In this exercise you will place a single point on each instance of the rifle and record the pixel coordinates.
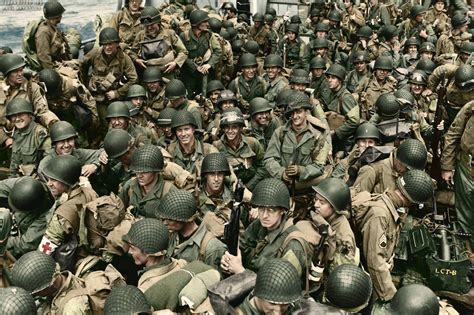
(232, 228)
(334, 53)
(317, 268)
(435, 143)
(293, 160)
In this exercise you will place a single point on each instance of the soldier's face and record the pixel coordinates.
(185, 134)
(322, 206)
(167, 132)
(146, 179)
(272, 72)
(56, 187)
(257, 24)
(269, 308)
(214, 182)
(126, 158)
(439, 6)
(270, 218)
(419, 18)
(65, 147)
(399, 167)
(154, 87)
(15, 77)
(291, 36)
(139, 257)
(320, 34)
(334, 82)
(426, 56)
(134, 5)
(232, 132)
(317, 73)
(174, 226)
(227, 105)
(412, 50)
(22, 120)
(380, 74)
(137, 101)
(119, 123)
(262, 118)
(360, 66)
(298, 86)
(204, 26)
(214, 96)
(320, 52)
(249, 72)
(110, 49)
(153, 29)
(365, 143)
(298, 118)
(417, 89)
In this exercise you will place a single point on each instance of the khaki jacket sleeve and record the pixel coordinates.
(272, 159)
(215, 46)
(40, 104)
(43, 41)
(180, 49)
(130, 73)
(365, 179)
(453, 137)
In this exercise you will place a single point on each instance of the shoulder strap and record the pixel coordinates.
(204, 242)
(70, 295)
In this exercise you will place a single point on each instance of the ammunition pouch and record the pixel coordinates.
(335, 120)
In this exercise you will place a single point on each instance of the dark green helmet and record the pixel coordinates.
(117, 142)
(273, 60)
(226, 95)
(226, 24)
(295, 19)
(338, 71)
(108, 35)
(182, 118)
(258, 17)
(459, 20)
(64, 168)
(336, 192)
(414, 299)
(197, 17)
(53, 9)
(117, 109)
(384, 63)
(278, 282)
(164, 119)
(464, 77)
(215, 25)
(178, 205)
(417, 10)
(426, 65)
(259, 105)
(416, 186)
(321, 27)
(225, 34)
(136, 90)
(320, 43)
(62, 130)
(268, 18)
(16, 301)
(271, 11)
(348, 287)
(412, 41)
(317, 63)
(34, 271)
(427, 47)
(360, 56)
(150, 15)
(315, 12)
(334, 15)
(19, 106)
(364, 31)
(237, 46)
(412, 153)
(405, 98)
(52, 82)
(418, 77)
(215, 162)
(387, 106)
(214, 85)
(152, 74)
(294, 28)
(248, 60)
(232, 32)
(147, 158)
(232, 116)
(175, 89)
(30, 195)
(296, 101)
(367, 130)
(466, 48)
(299, 76)
(149, 235)
(10, 62)
(126, 300)
(272, 193)
(283, 97)
(5, 50)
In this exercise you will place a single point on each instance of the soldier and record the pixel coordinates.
(317, 66)
(273, 65)
(248, 85)
(163, 124)
(378, 15)
(360, 73)
(65, 95)
(389, 44)
(332, 201)
(51, 44)
(379, 219)
(457, 168)
(337, 102)
(410, 58)
(188, 151)
(30, 140)
(437, 17)
(157, 46)
(63, 139)
(371, 88)
(315, 17)
(427, 51)
(293, 49)
(225, 101)
(154, 85)
(320, 47)
(204, 53)
(137, 97)
(145, 191)
(451, 42)
(126, 300)
(263, 123)
(225, 67)
(175, 92)
(127, 21)
(108, 72)
(245, 154)
(16, 301)
(381, 175)
(425, 101)
(410, 299)
(228, 12)
(188, 240)
(29, 201)
(260, 32)
(364, 42)
(352, 19)
(65, 226)
(416, 26)
(148, 241)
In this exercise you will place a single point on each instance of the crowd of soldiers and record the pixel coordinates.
(205, 160)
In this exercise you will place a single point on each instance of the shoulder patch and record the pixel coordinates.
(383, 241)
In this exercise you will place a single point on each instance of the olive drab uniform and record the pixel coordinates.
(295, 53)
(51, 45)
(191, 162)
(439, 20)
(386, 50)
(377, 177)
(410, 28)
(274, 87)
(127, 25)
(263, 36)
(369, 90)
(263, 135)
(457, 155)
(156, 102)
(245, 91)
(225, 68)
(166, 47)
(345, 251)
(451, 44)
(202, 50)
(207, 203)
(354, 79)
(351, 22)
(85, 156)
(29, 146)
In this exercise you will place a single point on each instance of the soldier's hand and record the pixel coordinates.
(426, 92)
(292, 171)
(9, 142)
(253, 214)
(232, 264)
(448, 177)
(111, 95)
(423, 34)
(440, 125)
(88, 169)
(364, 43)
(141, 63)
(170, 66)
(103, 157)
(204, 69)
(397, 46)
